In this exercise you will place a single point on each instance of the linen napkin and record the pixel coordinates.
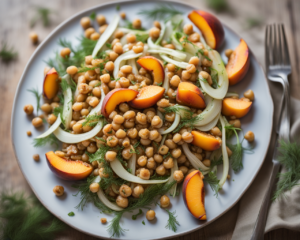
(285, 212)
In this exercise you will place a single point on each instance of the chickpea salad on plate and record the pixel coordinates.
(139, 116)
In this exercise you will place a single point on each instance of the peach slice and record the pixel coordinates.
(205, 141)
(147, 97)
(210, 27)
(154, 65)
(238, 63)
(51, 84)
(115, 97)
(235, 107)
(190, 95)
(67, 169)
(193, 194)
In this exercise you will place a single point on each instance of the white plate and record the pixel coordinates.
(42, 180)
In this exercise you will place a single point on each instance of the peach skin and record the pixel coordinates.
(190, 95)
(210, 27)
(115, 97)
(155, 66)
(193, 194)
(147, 97)
(238, 63)
(67, 169)
(51, 84)
(205, 141)
(235, 107)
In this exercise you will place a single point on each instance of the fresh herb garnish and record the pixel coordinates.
(43, 15)
(50, 139)
(213, 182)
(136, 215)
(218, 5)
(172, 221)
(214, 78)
(143, 222)
(118, 7)
(7, 54)
(142, 37)
(64, 84)
(167, 155)
(289, 155)
(93, 16)
(160, 12)
(201, 51)
(71, 214)
(253, 22)
(92, 120)
(37, 95)
(159, 84)
(108, 45)
(26, 218)
(85, 69)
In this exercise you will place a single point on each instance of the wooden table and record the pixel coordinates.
(15, 16)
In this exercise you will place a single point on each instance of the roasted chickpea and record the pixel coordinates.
(37, 122)
(65, 52)
(85, 22)
(28, 109)
(124, 107)
(150, 215)
(137, 23)
(188, 29)
(170, 144)
(36, 157)
(127, 153)
(229, 152)
(160, 170)
(142, 161)
(154, 32)
(94, 187)
(118, 48)
(175, 80)
(110, 156)
(163, 150)
(249, 94)
(176, 153)
(151, 164)
(187, 137)
(158, 158)
(236, 123)
(125, 191)
(178, 176)
(144, 174)
(101, 20)
(216, 132)
(122, 201)
(144, 133)
(206, 162)
(92, 148)
(102, 173)
(228, 52)
(123, 15)
(138, 49)
(120, 134)
(181, 159)
(129, 115)
(176, 138)
(58, 190)
(103, 220)
(34, 37)
(169, 163)
(51, 119)
(156, 122)
(112, 141)
(163, 103)
(137, 191)
(249, 136)
(164, 201)
(183, 169)
(28, 133)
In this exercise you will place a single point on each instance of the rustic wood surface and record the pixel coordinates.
(15, 16)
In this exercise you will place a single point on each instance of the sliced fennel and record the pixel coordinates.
(166, 84)
(210, 125)
(196, 163)
(132, 63)
(53, 127)
(68, 99)
(67, 137)
(170, 60)
(231, 94)
(104, 199)
(106, 35)
(162, 140)
(224, 153)
(171, 52)
(133, 31)
(172, 127)
(126, 56)
(213, 108)
(168, 31)
(173, 169)
(223, 82)
(132, 163)
(124, 174)
(161, 35)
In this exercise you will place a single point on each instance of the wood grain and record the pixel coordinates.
(15, 16)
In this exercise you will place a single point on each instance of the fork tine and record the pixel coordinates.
(280, 47)
(267, 46)
(285, 46)
(275, 44)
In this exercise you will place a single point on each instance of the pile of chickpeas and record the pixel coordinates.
(127, 126)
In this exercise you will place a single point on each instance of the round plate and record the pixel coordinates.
(42, 180)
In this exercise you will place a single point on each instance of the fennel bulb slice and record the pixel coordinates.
(53, 127)
(196, 163)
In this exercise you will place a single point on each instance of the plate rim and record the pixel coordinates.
(50, 36)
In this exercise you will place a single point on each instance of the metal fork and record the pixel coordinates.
(278, 68)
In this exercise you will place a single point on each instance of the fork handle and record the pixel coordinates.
(259, 228)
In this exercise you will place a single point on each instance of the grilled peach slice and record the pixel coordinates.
(115, 97)
(190, 95)
(238, 63)
(235, 107)
(193, 194)
(67, 169)
(51, 84)
(205, 141)
(210, 27)
(147, 97)
(155, 66)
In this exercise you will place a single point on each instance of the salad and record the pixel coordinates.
(144, 115)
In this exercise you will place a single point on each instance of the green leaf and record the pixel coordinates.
(93, 16)
(136, 215)
(37, 95)
(71, 214)
(143, 222)
(118, 7)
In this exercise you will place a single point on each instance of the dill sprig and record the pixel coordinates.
(26, 218)
(43, 15)
(184, 112)
(37, 95)
(134, 217)
(50, 139)
(218, 5)
(93, 16)
(213, 181)
(160, 12)
(92, 120)
(214, 78)
(7, 54)
(187, 123)
(144, 201)
(253, 22)
(85, 69)
(172, 221)
(289, 155)
(216, 162)
(64, 84)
